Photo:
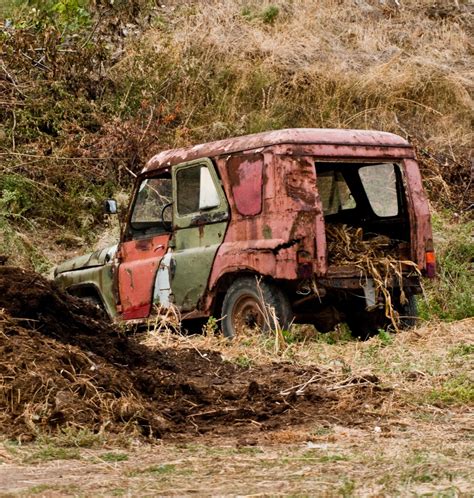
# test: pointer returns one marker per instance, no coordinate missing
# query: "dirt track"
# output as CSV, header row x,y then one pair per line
x,y
62,364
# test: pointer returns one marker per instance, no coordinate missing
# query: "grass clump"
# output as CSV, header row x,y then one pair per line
x,y
114,457
449,296
458,390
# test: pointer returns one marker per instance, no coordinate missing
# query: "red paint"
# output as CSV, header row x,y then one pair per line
x,y
314,137
139,261
420,220
245,173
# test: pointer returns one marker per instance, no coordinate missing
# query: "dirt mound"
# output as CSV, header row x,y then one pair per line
x,y
62,364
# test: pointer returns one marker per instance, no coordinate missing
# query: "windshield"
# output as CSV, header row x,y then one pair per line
x,y
154,194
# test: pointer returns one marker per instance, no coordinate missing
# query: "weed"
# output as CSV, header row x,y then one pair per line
x,y
462,350
41,488
243,361
156,470
270,14
333,458
49,452
385,337
450,296
114,457
322,431
457,390
211,327
73,437
347,488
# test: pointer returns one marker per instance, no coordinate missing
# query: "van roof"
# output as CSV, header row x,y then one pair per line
x,y
322,136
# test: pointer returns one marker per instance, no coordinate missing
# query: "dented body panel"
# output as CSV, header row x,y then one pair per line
x,y
253,205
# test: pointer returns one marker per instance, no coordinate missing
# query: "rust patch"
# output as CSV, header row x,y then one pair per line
x,y
300,186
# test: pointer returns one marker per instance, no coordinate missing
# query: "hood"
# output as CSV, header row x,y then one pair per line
x,y
96,258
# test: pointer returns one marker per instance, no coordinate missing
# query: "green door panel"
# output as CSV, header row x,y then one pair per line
x,y
194,254
198,233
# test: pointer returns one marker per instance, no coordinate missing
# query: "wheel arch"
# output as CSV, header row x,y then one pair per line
x,y
223,283
85,290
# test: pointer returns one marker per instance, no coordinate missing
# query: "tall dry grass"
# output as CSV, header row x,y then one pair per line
x,y
229,68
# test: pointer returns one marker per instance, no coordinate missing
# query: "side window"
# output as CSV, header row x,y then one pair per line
x,y
153,195
195,190
334,192
246,178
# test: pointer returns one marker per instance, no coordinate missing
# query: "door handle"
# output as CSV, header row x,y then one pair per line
x,y
159,246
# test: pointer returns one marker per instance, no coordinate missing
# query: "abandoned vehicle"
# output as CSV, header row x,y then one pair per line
x,y
220,228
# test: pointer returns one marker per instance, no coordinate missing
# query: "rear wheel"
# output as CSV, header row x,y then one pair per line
x,y
243,309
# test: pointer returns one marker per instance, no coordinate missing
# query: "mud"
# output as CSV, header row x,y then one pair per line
x,y
62,364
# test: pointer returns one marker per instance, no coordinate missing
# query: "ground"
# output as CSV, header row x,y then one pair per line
x,y
90,412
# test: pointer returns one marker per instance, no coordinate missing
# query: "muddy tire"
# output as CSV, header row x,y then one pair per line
x,y
408,313
366,324
242,307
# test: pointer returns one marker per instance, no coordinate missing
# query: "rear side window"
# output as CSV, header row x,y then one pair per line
x,y
246,179
380,185
334,192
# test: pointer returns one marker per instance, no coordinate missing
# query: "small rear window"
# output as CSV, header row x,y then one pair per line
x,y
334,192
380,184
246,176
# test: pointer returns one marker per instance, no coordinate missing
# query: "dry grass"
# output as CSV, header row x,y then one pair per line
x,y
328,64
374,259
409,445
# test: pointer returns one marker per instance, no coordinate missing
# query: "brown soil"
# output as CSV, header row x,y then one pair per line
x,y
62,364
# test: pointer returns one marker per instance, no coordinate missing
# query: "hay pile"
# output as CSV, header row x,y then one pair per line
x,y
376,258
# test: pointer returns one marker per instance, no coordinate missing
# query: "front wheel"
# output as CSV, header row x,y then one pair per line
x,y
243,308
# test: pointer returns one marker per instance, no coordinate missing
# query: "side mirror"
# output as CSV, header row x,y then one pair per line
x,y
110,206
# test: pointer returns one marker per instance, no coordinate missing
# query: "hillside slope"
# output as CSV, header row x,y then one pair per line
x,y
90,90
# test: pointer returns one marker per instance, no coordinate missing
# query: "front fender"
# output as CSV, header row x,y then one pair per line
x,y
99,277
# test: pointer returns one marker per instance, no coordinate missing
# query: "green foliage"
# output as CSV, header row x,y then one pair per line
x,y
18,195
450,295
243,361
67,15
114,457
211,327
268,15
385,337
47,453
154,470
71,437
462,350
457,390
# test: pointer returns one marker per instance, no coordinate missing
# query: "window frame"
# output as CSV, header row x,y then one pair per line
x,y
133,233
218,213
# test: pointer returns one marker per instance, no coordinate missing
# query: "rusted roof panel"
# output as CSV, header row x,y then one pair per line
x,y
265,139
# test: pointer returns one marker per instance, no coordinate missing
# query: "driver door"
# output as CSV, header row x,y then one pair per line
x,y
146,241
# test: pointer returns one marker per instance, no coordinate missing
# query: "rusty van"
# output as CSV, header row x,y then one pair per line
x,y
215,228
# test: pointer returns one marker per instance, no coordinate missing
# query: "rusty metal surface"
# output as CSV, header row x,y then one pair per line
x,y
246,177
267,244
316,136
420,219
139,262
